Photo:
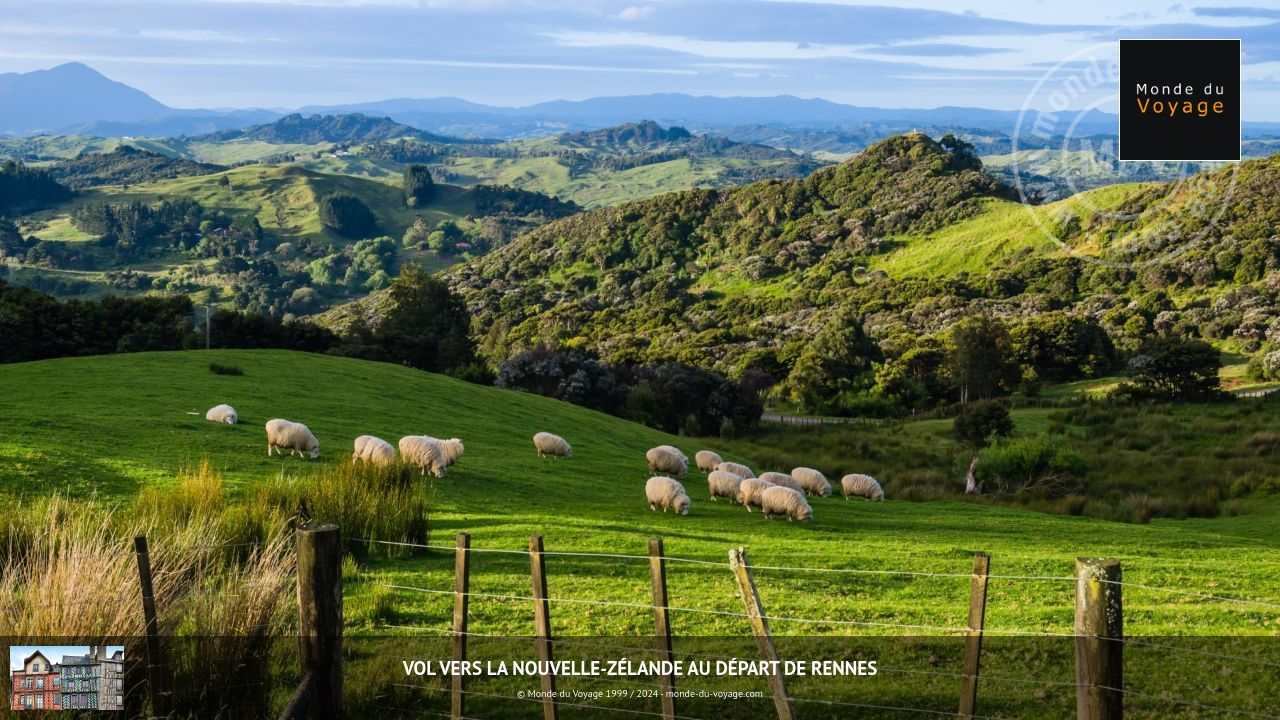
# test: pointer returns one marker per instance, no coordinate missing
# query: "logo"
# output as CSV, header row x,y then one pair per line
x,y
1180,100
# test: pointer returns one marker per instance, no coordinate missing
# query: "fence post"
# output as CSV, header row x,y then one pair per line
x,y
662,625
1099,640
542,627
155,661
973,635
760,627
320,617
461,586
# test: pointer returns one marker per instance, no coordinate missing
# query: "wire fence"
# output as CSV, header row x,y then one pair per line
x,y
825,625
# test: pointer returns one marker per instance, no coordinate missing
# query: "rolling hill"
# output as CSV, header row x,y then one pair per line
x,y
909,236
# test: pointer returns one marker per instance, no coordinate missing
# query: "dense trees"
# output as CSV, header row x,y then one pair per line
x,y
979,360
1176,369
427,325
418,186
674,397
831,365
347,215
24,189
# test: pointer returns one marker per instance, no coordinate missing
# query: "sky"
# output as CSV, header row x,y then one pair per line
x,y
900,53
18,653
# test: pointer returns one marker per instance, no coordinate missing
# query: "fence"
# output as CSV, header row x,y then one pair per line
x,y
1098,634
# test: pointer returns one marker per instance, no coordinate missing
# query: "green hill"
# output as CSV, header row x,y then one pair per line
x,y
125,165
910,236
107,426
348,128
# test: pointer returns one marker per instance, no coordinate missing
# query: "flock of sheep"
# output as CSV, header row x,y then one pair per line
x,y
775,493
426,453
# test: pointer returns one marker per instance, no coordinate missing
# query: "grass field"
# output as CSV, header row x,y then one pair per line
x,y
1000,231
111,430
106,427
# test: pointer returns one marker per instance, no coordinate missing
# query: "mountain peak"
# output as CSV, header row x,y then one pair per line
x,y
69,94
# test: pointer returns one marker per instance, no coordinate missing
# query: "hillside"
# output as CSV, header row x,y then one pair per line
x,y
501,493
126,165
280,246
711,275
349,128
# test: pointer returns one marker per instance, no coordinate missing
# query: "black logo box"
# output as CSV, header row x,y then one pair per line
x,y
1180,65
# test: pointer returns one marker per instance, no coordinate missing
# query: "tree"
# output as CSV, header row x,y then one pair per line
x,y
974,427
418,186
427,326
980,358
347,215
1174,368
839,353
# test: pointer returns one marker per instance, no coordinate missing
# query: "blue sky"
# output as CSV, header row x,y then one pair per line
x,y
18,653
908,53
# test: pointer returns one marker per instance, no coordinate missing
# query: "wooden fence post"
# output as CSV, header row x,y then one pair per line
x,y
320,618
973,635
461,586
662,625
1099,640
155,662
542,626
760,627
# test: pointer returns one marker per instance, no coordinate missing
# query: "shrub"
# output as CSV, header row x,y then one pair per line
x,y
1033,463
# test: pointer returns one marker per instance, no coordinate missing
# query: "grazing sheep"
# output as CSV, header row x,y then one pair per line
x,y
295,437
552,445
707,460
666,459
813,482
668,494
424,453
749,492
863,486
783,479
723,484
452,450
738,469
677,451
373,450
222,414
785,501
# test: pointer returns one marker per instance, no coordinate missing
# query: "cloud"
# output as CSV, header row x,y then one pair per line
x,y
635,12
1238,11
937,50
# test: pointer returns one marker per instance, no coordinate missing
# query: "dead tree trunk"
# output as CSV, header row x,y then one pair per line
x,y
971,484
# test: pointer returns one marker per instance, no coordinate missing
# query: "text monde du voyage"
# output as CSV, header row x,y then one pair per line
x,y
1180,99
625,667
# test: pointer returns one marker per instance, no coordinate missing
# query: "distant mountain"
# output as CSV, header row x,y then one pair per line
x,y
67,95
189,122
126,165
628,135
348,128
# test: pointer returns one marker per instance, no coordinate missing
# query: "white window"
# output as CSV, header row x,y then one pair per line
x,y
40,702
40,683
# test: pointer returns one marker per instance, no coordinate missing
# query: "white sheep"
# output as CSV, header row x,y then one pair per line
x,y
785,501
749,491
738,469
677,451
666,493
295,437
222,414
424,453
813,482
452,450
666,459
723,484
552,445
373,450
863,486
707,460
783,479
